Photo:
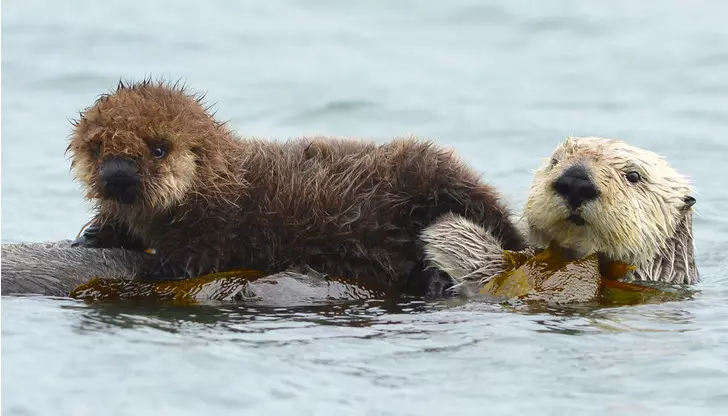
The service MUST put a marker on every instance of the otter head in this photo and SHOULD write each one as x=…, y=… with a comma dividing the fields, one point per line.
x=141, y=146
x=625, y=203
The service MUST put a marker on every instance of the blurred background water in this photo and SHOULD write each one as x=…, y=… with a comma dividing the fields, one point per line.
x=501, y=82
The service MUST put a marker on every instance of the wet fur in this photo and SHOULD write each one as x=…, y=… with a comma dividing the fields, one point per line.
x=647, y=224
x=55, y=268
x=464, y=251
x=342, y=207
x=675, y=261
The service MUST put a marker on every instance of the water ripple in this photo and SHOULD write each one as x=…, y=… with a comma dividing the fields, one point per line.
x=501, y=82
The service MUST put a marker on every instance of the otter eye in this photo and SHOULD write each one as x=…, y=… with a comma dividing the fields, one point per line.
x=554, y=161
x=633, y=177
x=158, y=152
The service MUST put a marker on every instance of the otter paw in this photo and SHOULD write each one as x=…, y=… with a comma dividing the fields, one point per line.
x=82, y=241
x=201, y=264
x=439, y=284
x=90, y=238
x=107, y=236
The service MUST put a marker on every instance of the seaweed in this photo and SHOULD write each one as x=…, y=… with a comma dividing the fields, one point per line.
x=223, y=286
x=552, y=276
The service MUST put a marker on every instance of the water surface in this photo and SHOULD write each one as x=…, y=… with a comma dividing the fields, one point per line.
x=501, y=82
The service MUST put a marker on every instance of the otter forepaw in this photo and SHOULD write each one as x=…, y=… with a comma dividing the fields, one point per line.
x=107, y=236
x=83, y=241
x=91, y=237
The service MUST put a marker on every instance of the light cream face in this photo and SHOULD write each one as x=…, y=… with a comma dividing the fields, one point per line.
x=629, y=221
x=158, y=127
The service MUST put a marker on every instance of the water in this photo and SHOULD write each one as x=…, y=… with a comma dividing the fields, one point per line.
x=502, y=82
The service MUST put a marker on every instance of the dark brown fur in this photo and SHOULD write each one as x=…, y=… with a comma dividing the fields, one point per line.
x=343, y=207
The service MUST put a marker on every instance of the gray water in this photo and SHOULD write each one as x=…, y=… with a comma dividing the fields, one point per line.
x=501, y=82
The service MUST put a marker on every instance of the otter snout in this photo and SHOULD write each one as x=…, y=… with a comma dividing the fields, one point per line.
x=576, y=187
x=119, y=179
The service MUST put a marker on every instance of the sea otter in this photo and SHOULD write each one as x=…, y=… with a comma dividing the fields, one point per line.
x=165, y=175
x=110, y=274
x=594, y=195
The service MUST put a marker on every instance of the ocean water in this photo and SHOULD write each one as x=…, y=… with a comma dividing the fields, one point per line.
x=501, y=82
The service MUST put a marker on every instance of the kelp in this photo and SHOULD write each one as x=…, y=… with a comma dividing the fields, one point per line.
x=224, y=286
x=552, y=276
x=548, y=276
x=285, y=288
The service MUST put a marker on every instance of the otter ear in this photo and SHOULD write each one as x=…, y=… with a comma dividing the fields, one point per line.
x=675, y=263
x=93, y=132
x=689, y=201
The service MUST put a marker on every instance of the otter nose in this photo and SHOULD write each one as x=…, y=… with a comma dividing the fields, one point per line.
x=119, y=179
x=576, y=186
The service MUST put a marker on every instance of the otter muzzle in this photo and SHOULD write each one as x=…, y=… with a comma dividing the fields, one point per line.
x=576, y=187
x=119, y=179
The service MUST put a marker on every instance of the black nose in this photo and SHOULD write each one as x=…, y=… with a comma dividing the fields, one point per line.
x=576, y=186
x=119, y=179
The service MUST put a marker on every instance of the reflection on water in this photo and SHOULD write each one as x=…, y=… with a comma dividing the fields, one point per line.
x=251, y=357
x=239, y=320
x=501, y=82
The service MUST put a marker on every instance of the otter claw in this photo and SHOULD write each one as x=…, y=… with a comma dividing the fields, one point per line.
x=81, y=241
x=89, y=237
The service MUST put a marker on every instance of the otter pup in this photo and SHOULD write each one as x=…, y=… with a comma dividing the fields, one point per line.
x=165, y=175
x=594, y=195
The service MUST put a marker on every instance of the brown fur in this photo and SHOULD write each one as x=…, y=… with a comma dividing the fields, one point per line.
x=343, y=207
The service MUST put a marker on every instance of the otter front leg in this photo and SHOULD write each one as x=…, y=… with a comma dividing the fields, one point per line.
x=107, y=235
x=465, y=251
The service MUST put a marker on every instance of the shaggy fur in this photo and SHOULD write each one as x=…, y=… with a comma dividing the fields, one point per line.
x=466, y=252
x=55, y=268
x=647, y=223
x=342, y=207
